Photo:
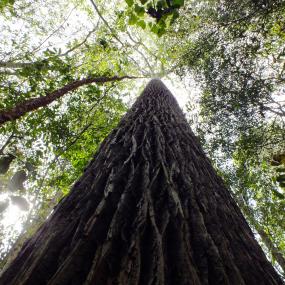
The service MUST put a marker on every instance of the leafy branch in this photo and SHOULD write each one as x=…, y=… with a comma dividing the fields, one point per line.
x=35, y=103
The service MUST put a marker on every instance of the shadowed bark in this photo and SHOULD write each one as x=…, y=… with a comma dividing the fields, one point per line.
x=149, y=209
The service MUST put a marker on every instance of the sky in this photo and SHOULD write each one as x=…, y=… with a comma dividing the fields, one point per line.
x=73, y=24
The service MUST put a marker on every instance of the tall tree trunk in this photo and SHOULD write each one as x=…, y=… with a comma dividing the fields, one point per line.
x=149, y=209
x=274, y=250
x=35, y=103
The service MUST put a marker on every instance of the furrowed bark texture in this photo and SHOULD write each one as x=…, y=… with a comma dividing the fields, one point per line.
x=149, y=209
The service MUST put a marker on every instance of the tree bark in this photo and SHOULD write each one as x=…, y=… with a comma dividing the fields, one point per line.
x=35, y=103
x=11, y=64
x=149, y=209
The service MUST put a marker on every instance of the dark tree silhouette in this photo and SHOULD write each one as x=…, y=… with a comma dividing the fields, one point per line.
x=149, y=209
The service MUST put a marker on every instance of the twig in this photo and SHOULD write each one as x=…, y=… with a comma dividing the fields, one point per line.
x=106, y=23
x=6, y=143
x=81, y=43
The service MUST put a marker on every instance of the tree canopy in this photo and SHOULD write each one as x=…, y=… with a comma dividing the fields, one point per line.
x=68, y=68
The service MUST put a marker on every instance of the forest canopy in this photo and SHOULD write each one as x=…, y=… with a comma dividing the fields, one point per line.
x=69, y=70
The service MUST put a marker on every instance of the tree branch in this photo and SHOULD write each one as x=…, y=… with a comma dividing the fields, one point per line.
x=140, y=43
x=36, y=103
x=11, y=64
x=279, y=113
x=6, y=143
x=81, y=43
x=37, y=48
x=106, y=23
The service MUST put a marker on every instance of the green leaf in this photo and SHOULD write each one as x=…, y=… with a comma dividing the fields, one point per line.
x=175, y=15
x=158, y=29
x=130, y=3
x=155, y=29
x=177, y=3
x=161, y=4
x=161, y=32
x=139, y=10
x=142, y=24
x=133, y=19
x=278, y=194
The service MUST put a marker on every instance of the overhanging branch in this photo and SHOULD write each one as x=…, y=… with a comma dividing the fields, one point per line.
x=36, y=103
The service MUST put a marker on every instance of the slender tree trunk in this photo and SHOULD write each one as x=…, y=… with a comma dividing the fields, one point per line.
x=277, y=255
x=149, y=209
x=35, y=103
x=274, y=250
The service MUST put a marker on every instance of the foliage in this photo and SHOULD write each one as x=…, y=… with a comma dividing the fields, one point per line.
x=44, y=152
x=48, y=149
x=6, y=4
x=156, y=16
x=233, y=49
x=236, y=51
